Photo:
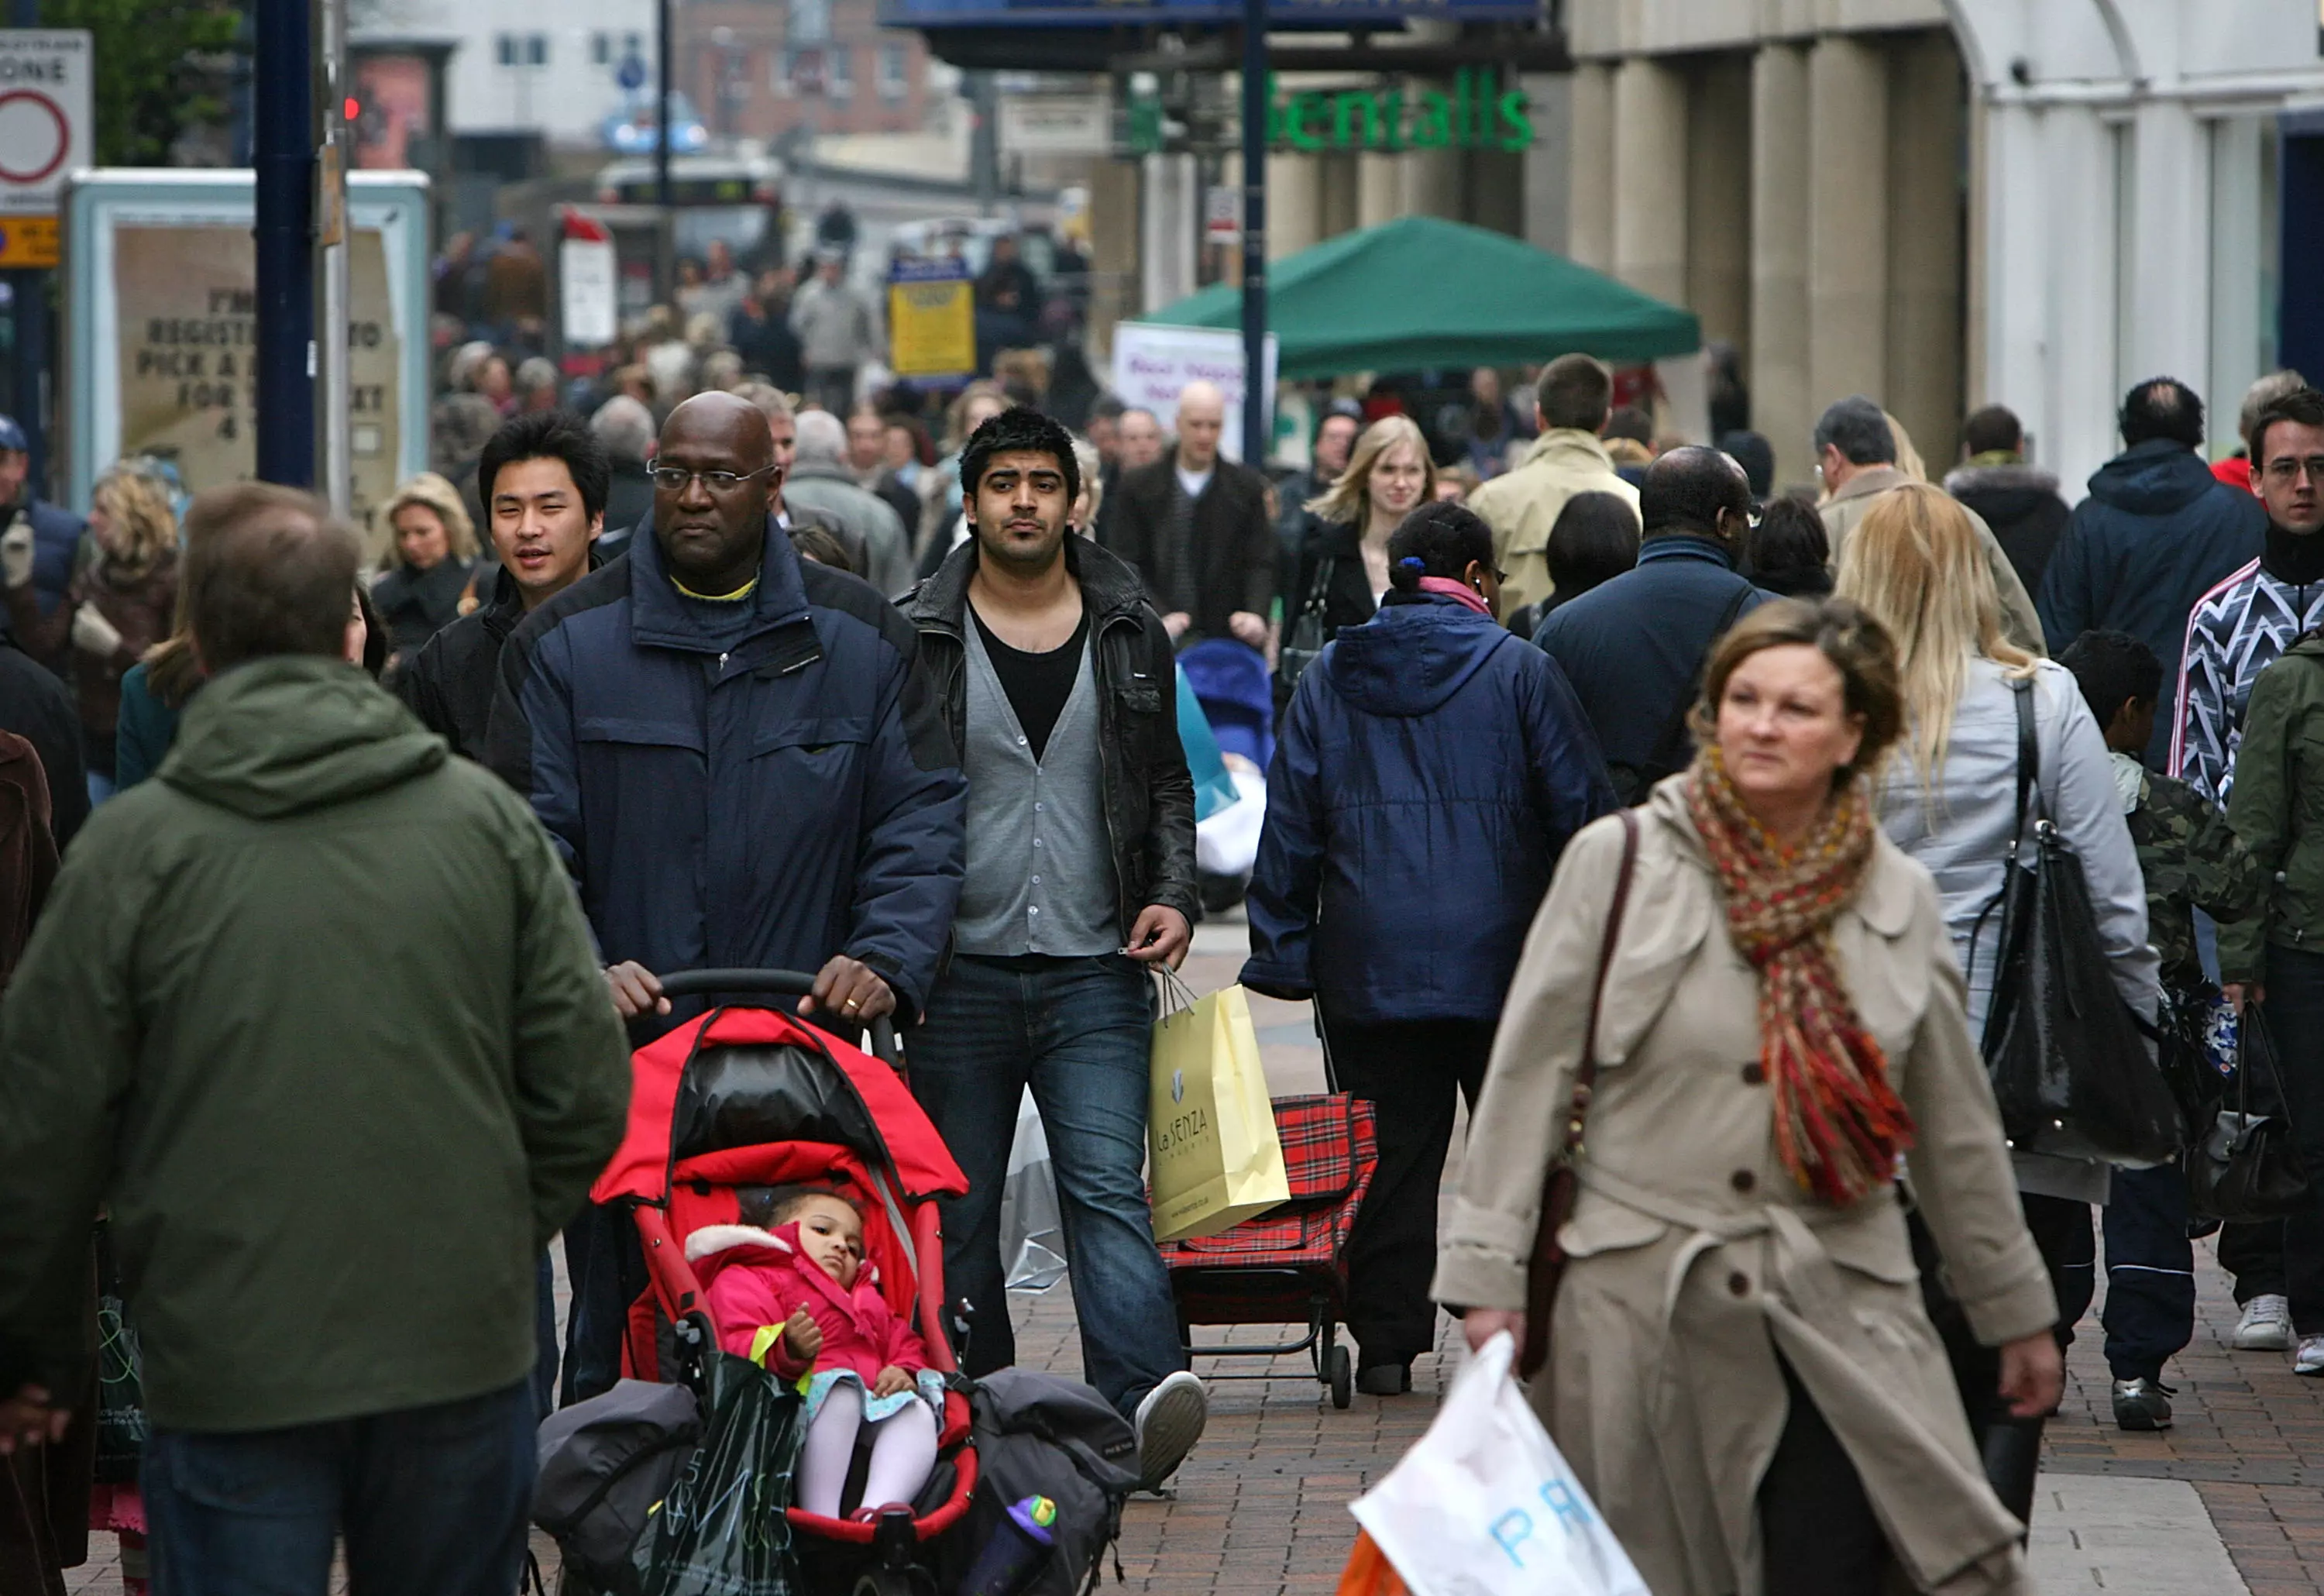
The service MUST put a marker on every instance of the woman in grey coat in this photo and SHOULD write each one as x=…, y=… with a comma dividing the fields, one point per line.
x=1950, y=798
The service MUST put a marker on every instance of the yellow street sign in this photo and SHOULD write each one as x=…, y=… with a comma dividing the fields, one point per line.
x=28, y=240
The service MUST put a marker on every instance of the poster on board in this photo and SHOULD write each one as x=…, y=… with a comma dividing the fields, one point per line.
x=1152, y=362
x=189, y=324
x=931, y=320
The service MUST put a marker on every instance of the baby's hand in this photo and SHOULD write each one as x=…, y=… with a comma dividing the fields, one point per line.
x=892, y=1382
x=802, y=1335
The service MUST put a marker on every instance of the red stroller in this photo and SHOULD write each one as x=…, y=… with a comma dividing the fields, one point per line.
x=750, y=1096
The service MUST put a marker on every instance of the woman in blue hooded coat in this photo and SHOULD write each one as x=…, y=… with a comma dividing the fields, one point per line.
x=1427, y=774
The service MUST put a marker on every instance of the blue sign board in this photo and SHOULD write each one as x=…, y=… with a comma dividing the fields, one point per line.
x=1171, y=14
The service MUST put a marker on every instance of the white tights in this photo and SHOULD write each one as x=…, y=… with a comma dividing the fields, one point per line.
x=903, y=1453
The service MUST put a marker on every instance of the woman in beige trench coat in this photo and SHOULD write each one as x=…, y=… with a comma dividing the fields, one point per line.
x=1741, y=1371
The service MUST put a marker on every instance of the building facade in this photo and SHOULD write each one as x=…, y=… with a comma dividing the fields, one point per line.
x=1946, y=203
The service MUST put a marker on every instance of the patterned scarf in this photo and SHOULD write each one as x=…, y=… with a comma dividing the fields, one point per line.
x=1839, y=1126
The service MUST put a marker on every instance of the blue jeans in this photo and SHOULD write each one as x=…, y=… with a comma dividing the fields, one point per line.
x=432, y=1501
x=1078, y=1032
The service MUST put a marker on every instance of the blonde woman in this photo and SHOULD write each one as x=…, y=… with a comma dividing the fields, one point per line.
x=1949, y=800
x=1343, y=565
x=429, y=577
x=119, y=605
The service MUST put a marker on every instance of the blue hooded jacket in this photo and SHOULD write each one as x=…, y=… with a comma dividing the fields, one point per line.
x=1430, y=769
x=2157, y=533
x=760, y=798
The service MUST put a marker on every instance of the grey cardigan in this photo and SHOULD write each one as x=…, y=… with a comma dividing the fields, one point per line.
x=1961, y=832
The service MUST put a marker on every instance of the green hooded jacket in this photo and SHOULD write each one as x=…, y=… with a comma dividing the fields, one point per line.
x=2277, y=808
x=316, y=1015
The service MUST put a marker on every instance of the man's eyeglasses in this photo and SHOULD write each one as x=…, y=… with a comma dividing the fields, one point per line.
x=673, y=479
x=2288, y=471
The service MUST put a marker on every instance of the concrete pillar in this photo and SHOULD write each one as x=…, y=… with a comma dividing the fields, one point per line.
x=2243, y=344
x=1590, y=205
x=2020, y=346
x=1846, y=178
x=2079, y=155
x=1166, y=251
x=1649, y=177
x=1777, y=370
x=2170, y=272
x=1294, y=207
x=1924, y=340
x=1434, y=181
x=1719, y=200
x=1379, y=188
x=1493, y=190
x=1549, y=163
x=1336, y=192
x=1114, y=209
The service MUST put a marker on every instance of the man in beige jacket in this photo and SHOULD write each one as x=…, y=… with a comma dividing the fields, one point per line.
x=1855, y=452
x=1576, y=394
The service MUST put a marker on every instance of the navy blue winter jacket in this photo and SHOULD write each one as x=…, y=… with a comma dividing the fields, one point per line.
x=794, y=797
x=1427, y=777
x=2157, y=533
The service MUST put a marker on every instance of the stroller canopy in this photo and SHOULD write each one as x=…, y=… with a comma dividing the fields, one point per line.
x=741, y=1077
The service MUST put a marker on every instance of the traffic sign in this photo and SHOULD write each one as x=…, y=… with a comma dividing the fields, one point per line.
x=28, y=240
x=45, y=119
x=630, y=75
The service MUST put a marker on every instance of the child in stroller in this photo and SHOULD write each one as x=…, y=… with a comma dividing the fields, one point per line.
x=801, y=1248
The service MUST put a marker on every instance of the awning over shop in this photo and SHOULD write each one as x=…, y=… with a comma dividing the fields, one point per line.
x=1421, y=292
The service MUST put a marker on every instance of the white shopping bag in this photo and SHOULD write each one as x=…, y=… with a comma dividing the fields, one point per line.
x=1032, y=1232
x=1483, y=1505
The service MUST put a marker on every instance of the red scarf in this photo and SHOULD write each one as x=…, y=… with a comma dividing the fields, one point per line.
x=1449, y=588
x=1840, y=1125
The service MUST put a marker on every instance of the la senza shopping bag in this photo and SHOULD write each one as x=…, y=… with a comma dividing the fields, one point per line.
x=1216, y=1159
x=1484, y=1504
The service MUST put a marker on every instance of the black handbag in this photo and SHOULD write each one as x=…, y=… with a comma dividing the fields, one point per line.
x=1305, y=639
x=2069, y=1060
x=2246, y=1167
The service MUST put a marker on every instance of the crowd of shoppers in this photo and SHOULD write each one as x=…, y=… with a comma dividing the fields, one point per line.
x=778, y=681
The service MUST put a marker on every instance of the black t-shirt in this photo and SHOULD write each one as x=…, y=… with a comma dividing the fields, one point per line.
x=1037, y=684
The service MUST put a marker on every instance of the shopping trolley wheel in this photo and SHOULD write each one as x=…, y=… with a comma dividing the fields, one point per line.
x=1342, y=1375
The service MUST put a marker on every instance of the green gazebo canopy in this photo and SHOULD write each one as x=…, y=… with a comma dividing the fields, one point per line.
x=1421, y=292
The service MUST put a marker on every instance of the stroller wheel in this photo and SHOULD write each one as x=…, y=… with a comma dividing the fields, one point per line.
x=1342, y=1376
x=894, y=1581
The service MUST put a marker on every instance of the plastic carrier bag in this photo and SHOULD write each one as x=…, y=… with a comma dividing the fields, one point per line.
x=722, y=1529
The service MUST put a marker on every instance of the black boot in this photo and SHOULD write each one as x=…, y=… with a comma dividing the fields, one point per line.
x=2013, y=1456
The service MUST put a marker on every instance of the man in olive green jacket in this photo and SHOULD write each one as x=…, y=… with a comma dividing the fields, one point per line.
x=316, y=1017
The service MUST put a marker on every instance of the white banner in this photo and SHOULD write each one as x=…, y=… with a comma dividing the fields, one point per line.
x=1152, y=362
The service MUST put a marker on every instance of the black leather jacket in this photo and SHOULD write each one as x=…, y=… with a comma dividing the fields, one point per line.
x=1149, y=796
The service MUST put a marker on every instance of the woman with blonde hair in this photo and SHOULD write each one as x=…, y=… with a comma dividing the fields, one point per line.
x=1949, y=800
x=117, y=606
x=429, y=577
x=1736, y=1017
x=1344, y=571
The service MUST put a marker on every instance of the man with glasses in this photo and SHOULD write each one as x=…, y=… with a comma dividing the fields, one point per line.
x=740, y=759
x=1633, y=647
x=1057, y=679
x=2237, y=630
x=2157, y=533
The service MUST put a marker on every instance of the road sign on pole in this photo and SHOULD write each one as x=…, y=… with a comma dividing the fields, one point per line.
x=45, y=120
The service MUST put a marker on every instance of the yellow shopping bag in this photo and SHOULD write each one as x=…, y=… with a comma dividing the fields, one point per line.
x=1211, y=1129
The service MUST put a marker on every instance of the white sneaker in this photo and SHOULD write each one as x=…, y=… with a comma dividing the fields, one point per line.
x=2310, y=1357
x=1169, y=1422
x=2265, y=1327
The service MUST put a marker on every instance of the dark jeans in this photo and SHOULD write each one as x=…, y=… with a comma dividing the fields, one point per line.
x=2294, y=1017
x=1408, y=1070
x=607, y=1270
x=2150, y=1302
x=432, y=1501
x=1078, y=1031
x=1816, y=1523
x=2252, y=1250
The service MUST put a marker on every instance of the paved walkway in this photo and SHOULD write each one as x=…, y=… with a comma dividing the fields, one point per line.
x=2224, y=1503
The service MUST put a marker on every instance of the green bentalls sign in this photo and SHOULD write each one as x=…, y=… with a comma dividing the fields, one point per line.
x=1478, y=113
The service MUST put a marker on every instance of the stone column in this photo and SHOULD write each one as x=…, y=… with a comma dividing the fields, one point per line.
x=1379, y=188
x=1589, y=172
x=2078, y=154
x=1650, y=146
x=1924, y=336
x=1778, y=367
x=1719, y=200
x=1336, y=184
x=1847, y=178
x=1549, y=163
x=1114, y=210
x=2169, y=271
x=1294, y=204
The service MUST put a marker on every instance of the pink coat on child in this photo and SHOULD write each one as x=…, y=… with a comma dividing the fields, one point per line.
x=752, y=1278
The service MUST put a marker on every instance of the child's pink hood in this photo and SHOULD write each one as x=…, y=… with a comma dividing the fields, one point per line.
x=753, y=1278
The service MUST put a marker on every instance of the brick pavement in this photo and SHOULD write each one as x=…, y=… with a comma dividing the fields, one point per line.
x=1260, y=1508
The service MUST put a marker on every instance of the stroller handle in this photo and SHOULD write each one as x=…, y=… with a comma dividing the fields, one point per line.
x=782, y=983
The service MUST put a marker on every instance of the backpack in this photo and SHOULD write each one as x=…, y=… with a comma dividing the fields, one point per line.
x=605, y=1465
x=1038, y=1435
